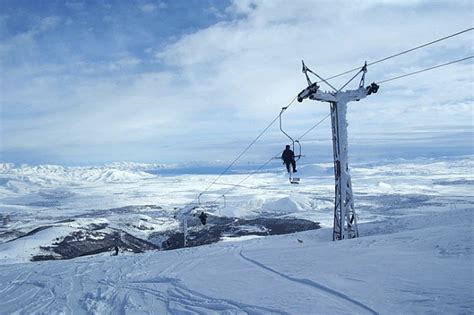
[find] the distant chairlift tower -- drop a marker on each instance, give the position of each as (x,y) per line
(345,221)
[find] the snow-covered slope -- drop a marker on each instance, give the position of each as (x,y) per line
(414,255)
(423,266)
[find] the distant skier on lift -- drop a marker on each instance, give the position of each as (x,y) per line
(203,217)
(288,157)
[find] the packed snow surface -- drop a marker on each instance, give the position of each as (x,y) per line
(414,255)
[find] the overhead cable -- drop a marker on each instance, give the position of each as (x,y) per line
(240,155)
(251,174)
(401,53)
(424,70)
(272,158)
(311,129)
(247,148)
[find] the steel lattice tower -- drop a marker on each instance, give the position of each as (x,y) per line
(345,220)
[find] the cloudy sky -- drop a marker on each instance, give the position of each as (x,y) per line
(90,82)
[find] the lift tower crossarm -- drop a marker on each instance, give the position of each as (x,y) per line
(333,97)
(345,220)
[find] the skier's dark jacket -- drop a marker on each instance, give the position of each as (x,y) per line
(287,156)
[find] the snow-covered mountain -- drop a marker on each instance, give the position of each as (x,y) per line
(414,254)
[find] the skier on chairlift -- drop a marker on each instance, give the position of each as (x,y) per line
(288,157)
(203,217)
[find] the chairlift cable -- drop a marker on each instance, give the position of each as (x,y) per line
(401,53)
(239,184)
(258,169)
(424,70)
(355,75)
(227,184)
(240,155)
(272,158)
(391,79)
(314,126)
(247,148)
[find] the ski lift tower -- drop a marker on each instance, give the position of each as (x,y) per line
(345,221)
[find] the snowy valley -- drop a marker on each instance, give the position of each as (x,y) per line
(414,255)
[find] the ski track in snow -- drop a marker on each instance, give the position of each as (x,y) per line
(116,293)
(179,296)
(309,283)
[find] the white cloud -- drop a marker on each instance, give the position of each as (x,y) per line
(25,41)
(252,65)
(48,23)
(75,5)
(148,8)
(224,83)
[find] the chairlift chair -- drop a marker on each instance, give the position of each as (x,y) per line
(292,179)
